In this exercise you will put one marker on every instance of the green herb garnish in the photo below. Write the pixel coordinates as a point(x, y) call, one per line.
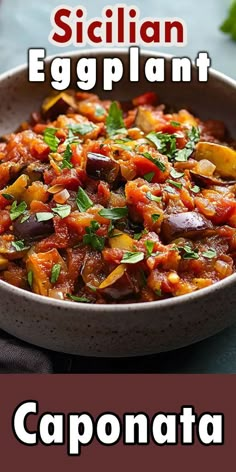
point(83, 201)
point(92, 239)
point(195, 189)
point(132, 257)
point(100, 111)
point(19, 245)
point(229, 25)
point(114, 213)
point(62, 210)
point(30, 277)
point(148, 177)
point(189, 253)
point(175, 184)
point(149, 247)
point(153, 198)
point(175, 123)
point(210, 254)
point(176, 175)
point(155, 217)
point(164, 142)
point(170, 190)
point(78, 299)
point(82, 128)
point(66, 164)
point(50, 139)
point(17, 210)
point(7, 196)
point(155, 161)
point(56, 269)
point(44, 216)
point(114, 121)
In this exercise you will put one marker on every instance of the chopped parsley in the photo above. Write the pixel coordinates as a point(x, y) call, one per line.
point(82, 128)
point(92, 239)
point(56, 269)
point(175, 184)
point(19, 245)
point(66, 164)
point(155, 161)
point(153, 198)
point(51, 139)
point(210, 254)
point(30, 277)
point(176, 124)
point(99, 111)
point(62, 210)
point(170, 190)
point(43, 216)
point(164, 142)
point(114, 213)
point(176, 175)
point(114, 121)
point(83, 201)
point(155, 217)
point(7, 196)
point(188, 252)
point(17, 210)
point(78, 299)
point(132, 257)
point(195, 189)
point(149, 247)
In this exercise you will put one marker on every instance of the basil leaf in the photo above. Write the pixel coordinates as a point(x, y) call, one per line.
point(114, 213)
point(56, 269)
point(25, 217)
point(66, 164)
point(149, 247)
point(78, 299)
point(155, 161)
point(30, 277)
point(132, 257)
point(19, 245)
point(210, 254)
point(62, 210)
point(176, 175)
point(153, 198)
point(17, 210)
point(43, 216)
point(50, 139)
point(114, 121)
point(182, 155)
point(83, 201)
point(92, 239)
point(82, 128)
point(148, 177)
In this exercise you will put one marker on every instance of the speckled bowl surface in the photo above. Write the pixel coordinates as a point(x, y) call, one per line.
point(124, 329)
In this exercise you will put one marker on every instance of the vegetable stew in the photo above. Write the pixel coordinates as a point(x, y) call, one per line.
point(108, 202)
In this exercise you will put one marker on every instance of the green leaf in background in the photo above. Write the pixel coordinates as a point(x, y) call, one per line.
point(229, 25)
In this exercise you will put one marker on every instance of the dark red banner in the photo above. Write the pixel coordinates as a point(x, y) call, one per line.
point(83, 413)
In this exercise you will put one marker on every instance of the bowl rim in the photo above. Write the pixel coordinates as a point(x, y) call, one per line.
point(120, 307)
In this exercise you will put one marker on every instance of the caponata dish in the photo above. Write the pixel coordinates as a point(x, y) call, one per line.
point(108, 202)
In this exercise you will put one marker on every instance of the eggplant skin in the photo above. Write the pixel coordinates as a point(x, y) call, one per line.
point(101, 167)
point(190, 224)
point(31, 229)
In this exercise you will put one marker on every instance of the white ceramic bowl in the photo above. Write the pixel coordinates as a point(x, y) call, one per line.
point(124, 329)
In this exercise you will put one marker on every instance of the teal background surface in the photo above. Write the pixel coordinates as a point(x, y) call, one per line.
point(26, 23)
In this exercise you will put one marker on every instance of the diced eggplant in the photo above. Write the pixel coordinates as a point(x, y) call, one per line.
point(207, 181)
point(188, 225)
point(223, 157)
point(31, 229)
point(102, 168)
point(57, 105)
point(145, 120)
point(118, 284)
